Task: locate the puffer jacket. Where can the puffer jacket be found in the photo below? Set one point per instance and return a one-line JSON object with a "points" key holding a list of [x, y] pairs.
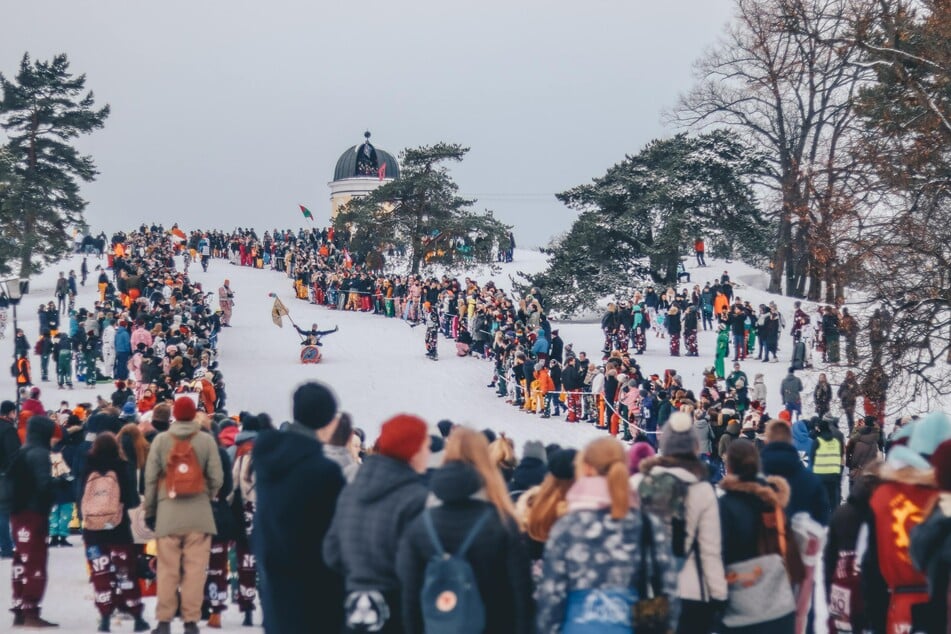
{"points": [[371, 515], [862, 448], [589, 550], [498, 556], [701, 577], [30, 472]]}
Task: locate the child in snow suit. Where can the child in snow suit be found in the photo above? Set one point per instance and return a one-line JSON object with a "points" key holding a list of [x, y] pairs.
{"points": [[432, 330]]}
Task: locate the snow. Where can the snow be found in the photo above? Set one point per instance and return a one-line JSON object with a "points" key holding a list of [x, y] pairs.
{"points": [[376, 367]]}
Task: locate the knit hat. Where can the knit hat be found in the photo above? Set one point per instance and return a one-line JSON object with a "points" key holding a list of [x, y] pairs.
{"points": [[401, 437], [678, 437], [929, 432], [445, 428], [639, 451], [785, 416], [941, 460], [161, 416], [184, 409], [128, 411], [562, 464], [34, 392], [534, 449], [314, 405]]}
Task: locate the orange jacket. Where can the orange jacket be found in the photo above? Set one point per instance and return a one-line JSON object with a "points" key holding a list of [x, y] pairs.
{"points": [[208, 396], [545, 384]]}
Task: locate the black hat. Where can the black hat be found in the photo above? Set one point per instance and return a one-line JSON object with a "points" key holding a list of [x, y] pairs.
{"points": [[561, 464], [445, 427], [6, 407], [314, 405]]}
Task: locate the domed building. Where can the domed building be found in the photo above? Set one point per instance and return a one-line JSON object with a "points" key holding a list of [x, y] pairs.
{"points": [[359, 171]]}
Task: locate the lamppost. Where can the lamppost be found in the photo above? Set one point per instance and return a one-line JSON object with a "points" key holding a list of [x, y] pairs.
{"points": [[12, 290]]}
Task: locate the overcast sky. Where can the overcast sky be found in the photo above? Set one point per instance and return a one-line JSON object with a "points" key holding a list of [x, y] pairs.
{"points": [[230, 113]]}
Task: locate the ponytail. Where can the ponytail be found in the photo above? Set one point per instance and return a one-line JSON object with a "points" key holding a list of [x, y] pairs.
{"points": [[619, 490]]}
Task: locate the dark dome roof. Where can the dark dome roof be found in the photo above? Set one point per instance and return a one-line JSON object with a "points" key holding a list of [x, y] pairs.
{"points": [[347, 163]]}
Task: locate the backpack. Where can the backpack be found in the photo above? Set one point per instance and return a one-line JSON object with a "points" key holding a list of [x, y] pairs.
{"points": [[664, 495], [451, 603], [101, 505], [183, 474]]}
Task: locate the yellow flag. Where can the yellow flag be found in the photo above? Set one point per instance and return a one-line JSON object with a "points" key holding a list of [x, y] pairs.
{"points": [[278, 311]]}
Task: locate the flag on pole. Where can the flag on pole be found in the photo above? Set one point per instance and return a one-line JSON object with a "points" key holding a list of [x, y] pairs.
{"points": [[304, 210], [278, 311], [382, 171], [177, 234]]}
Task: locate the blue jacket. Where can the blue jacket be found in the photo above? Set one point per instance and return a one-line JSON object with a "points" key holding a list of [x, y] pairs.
{"points": [[540, 347], [807, 493], [803, 442], [123, 340]]}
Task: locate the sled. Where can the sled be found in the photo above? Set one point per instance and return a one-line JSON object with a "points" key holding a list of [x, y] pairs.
{"points": [[310, 354]]}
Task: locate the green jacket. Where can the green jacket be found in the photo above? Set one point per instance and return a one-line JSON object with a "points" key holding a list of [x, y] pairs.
{"points": [[180, 516]]}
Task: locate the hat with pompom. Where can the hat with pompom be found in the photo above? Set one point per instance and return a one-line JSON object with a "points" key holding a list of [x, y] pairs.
{"points": [[678, 436]]}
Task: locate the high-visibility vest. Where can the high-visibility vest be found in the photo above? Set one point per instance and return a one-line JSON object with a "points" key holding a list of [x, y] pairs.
{"points": [[828, 457]]}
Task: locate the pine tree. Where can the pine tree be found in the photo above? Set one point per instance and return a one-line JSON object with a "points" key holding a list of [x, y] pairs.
{"points": [[422, 211], [9, 182], [43, 109], [638, 219]]}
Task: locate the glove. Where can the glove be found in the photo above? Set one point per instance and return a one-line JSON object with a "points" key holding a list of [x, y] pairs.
{"points": [[150, 523]]}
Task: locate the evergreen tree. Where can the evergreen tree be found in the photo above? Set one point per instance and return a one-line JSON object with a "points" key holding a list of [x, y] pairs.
{"points": [[422, 212], [43, 109], [9, 182], [638, 219]]}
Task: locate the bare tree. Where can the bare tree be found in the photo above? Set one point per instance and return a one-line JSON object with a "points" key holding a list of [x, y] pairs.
{"points": [[777, 78]]}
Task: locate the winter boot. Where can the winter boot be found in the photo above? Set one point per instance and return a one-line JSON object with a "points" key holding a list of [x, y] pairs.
{"points": [[17, 619], [214, 621], [34, 621], [248, 619], [104, 623], [192, 628], [140, 625], [164, 627]]}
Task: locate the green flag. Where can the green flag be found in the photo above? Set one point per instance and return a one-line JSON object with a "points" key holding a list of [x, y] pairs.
{"points": [[304, 210]]}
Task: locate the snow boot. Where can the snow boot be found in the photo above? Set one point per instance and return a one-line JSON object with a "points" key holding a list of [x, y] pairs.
{"points": [[248, 619], [192, 628], [214, 621], [34, 621], [164, 627], [104, 623], [140, 625]]}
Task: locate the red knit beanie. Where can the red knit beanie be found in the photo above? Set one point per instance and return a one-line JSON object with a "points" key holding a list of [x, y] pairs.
{"points": [[184, 409], [941, 460], [402, 437], [785, 416]]}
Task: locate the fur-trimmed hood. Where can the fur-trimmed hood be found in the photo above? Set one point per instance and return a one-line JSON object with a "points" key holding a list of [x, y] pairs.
{"points": [[686, 470], [773, 491]]}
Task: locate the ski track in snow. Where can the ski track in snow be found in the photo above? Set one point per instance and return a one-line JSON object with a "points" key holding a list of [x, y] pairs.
{"points": [[377, 368]]}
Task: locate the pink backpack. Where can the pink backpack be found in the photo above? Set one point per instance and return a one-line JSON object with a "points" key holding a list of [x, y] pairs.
{"points": [[101, 504]]}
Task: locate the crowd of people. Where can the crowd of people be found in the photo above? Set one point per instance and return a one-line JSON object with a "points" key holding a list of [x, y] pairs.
{"points": [[707, 521]]}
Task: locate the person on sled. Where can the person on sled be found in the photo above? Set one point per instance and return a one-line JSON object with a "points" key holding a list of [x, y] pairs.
{"points": [[312, 336]]}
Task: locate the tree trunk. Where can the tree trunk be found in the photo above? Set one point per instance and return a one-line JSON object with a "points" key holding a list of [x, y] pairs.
{"points": [[779, 258]]}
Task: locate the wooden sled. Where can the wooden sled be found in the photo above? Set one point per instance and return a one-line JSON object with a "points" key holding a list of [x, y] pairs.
{"points": [[310, 354]]}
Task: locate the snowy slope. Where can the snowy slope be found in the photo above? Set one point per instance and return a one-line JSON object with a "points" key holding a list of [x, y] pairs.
{"points": [[377, 368]]}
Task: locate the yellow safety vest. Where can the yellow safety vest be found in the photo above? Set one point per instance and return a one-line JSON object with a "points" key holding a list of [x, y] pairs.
{"points": [[828, 457]]}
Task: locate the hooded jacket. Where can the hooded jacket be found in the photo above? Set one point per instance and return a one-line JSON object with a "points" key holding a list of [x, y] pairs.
{"points": [[372, 513], [182, 515], [862, 448], [931, 552], [297, 489], [32, 479], [497, 555], [702, 527], [741, 508], [805, 490], [528, 473]]}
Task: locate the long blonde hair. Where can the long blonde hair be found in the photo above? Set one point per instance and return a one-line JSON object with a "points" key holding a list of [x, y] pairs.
{"points": [[502, 453], [547, 505], [606, 457], [471, 447]]}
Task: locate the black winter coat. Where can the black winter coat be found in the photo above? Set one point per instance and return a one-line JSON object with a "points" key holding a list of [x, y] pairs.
{"points": [[33, 482], [497, 555], [529, 472], [297, 490], [806, 490], [372, 513]]}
